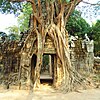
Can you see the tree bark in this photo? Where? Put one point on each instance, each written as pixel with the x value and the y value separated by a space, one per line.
pixel 52 22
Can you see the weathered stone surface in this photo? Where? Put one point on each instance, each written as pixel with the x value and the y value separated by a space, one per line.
pixel 82 55
pixel 15 58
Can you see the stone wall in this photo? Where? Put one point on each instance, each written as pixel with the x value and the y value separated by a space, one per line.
pixel 96 65
pixel 9 62
pixel 17 56
pixel 81 54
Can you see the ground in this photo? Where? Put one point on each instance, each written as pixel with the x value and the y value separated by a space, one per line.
pixel 48 93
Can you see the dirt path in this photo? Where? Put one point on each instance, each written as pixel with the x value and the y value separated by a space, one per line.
pixel 49 94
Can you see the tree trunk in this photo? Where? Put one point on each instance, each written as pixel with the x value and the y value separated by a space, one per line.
pixel 52 22
pixel 50 17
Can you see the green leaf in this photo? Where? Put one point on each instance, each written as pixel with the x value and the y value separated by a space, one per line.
pixel 67 1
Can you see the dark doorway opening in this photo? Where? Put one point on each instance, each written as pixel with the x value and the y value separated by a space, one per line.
pixel 33 65
pixel 47 69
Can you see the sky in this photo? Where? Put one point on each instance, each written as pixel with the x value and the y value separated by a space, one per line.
pixel 10 19
pixel 88 13
pixel 7 21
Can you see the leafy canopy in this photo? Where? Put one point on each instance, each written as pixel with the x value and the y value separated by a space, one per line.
pixel 10 7
pixel 14 7
pixel 96 35
pixel 77 25
pixel 24 17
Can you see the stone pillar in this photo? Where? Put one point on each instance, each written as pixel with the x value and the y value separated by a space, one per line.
pixel 50 65
pixel 55 71
pixel 90 55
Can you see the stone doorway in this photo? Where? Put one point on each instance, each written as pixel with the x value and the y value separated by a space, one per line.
pixel 33 65
pixel 47 69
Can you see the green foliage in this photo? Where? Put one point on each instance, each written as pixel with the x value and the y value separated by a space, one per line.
pixel 67 0
pixel 13 29
pixel 13 37
pixel 2 36
pixel 10 37
pixel 96 35
pixel 23 20
pixel 24 17
pixel 45 63
pixel 61 1
pixel 96 30
pixel 45 60
pixel 9 7
pixel 14 7
pixel 77 25
pixel 14 33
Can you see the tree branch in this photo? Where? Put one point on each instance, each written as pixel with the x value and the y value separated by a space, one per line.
pixel 17 0
pixel 39 7
pixel 90 3
pixel 52 12
pixel 48 11
pixel 31 1
pixel 37 18
pixel 72 6
pixel 70 9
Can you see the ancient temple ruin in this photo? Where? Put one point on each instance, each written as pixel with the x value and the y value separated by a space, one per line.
pixel 29 55
pixel 82 54
pixel 20 58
